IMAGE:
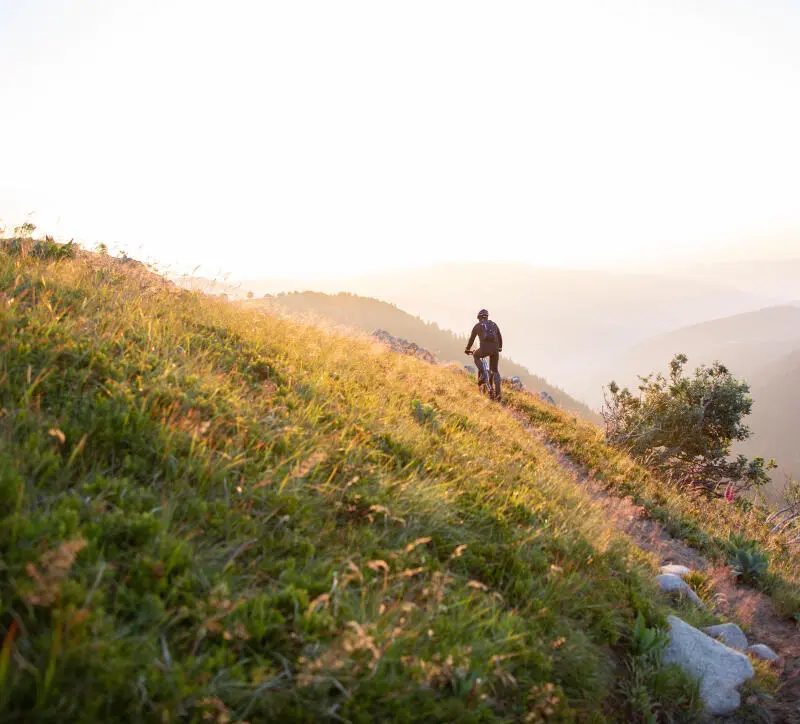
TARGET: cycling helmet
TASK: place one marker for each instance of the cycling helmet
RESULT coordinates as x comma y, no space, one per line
483,313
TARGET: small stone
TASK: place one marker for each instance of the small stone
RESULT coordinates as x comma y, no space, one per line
762,651
676,570
670,583
729,634
720,669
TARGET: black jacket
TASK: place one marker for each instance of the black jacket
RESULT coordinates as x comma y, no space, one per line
488,333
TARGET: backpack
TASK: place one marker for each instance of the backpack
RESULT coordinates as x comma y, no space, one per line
490,331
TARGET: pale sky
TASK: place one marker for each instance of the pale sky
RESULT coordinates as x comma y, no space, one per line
288,138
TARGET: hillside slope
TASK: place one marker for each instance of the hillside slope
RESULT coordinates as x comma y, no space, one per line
562,323
747,343
210,514
370,314
776,416
777,278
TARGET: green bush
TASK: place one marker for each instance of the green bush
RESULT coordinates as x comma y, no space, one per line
654,692
749,562
425,414
684,427
47,248
647,640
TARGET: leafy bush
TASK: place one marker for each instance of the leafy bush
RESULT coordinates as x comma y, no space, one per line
646,640
425,414
25,231
47,248
654,692
684,427
749,562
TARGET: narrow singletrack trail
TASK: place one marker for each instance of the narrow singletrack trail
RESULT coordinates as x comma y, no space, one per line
740,604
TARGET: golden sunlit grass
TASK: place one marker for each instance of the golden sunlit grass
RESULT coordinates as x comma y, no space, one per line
212,514
706,525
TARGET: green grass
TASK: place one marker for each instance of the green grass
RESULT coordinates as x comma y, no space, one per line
208,514
704,524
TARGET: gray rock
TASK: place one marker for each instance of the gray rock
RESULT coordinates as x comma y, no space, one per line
762,651
729,634
720,669
670,583
676,570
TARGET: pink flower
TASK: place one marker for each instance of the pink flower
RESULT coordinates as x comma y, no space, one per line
729,494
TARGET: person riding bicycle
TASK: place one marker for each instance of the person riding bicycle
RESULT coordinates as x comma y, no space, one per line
491,344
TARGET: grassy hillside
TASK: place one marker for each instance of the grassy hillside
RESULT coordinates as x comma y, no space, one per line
706,525
562,323
370,314
209,514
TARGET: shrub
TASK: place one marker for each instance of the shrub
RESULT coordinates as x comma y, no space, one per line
747,559
654,692
47,248
684,427
647,641
424,414
25,231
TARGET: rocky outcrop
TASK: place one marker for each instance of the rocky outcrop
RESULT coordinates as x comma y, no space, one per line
675,570
404,346
719,669
762,651
672,584
729,634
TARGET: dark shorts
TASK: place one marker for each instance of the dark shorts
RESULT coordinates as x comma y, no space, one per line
490,351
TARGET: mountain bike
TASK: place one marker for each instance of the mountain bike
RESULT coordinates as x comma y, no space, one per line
486,384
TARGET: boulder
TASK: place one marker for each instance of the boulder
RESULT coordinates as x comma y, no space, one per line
720,669
670,583
762,651
729,634
675,570
398,344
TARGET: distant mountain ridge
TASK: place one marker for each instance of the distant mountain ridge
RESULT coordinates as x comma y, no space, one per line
744,342
368,315
776,416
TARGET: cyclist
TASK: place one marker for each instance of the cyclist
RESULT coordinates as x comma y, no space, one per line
491,344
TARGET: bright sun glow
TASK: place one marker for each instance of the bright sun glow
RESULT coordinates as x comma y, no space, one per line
317,138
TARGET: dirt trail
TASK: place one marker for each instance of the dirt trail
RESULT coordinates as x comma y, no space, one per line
736,603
